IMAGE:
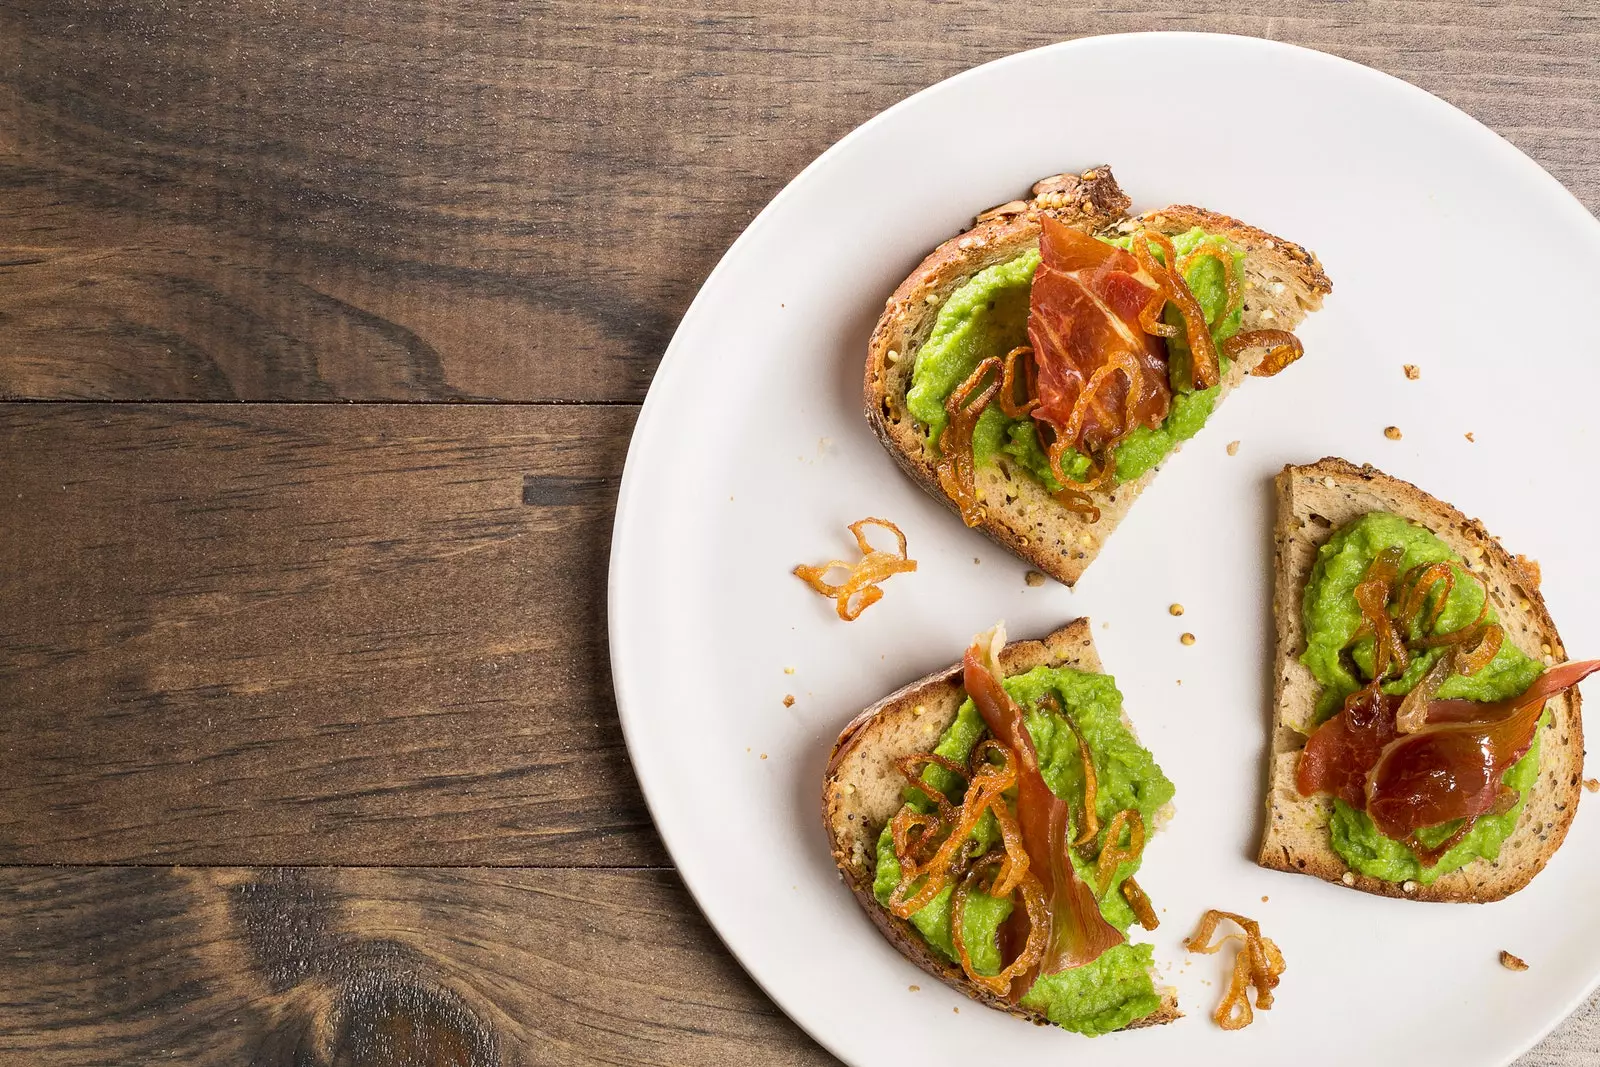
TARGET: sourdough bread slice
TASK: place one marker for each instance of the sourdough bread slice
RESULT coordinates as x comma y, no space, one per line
1312,501
862,790
1283,282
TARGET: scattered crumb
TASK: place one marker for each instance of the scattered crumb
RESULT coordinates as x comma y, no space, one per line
1592,784
1263,896
1033,578
975,559
1413,371
747,748
1392,432
788,670
1511,963
788,699
1233,448
915,988
956,1010
1469,437
1106,625
1408,887
1187,639
1348,878
1180,681
1176,609
764,755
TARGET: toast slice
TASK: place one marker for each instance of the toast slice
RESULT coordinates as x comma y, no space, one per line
1312,501
1283,283
861,791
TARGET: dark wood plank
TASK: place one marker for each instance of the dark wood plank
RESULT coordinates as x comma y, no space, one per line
236,199
309,634
372,968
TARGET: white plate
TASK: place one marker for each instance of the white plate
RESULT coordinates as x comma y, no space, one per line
1448,249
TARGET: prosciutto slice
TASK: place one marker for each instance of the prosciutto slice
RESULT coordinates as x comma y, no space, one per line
1079,933
1083,324
1449,769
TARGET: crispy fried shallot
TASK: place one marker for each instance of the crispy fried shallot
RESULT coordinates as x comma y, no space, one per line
1171,286
1284,348
1038,912
1021,356
859,590
1232,284
1090,820
948,834
985,785
1258,965
1139,901
1115,853
957,468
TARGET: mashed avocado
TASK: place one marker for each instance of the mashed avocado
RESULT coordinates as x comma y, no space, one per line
1116,989
1332,619
988,316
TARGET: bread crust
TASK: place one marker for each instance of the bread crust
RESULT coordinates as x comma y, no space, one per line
861,791
1312,501
1284,282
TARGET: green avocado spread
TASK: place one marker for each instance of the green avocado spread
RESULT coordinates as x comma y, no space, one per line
1115,989
988,316
1331,621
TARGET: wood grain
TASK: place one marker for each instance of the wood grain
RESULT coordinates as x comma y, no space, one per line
441,199
373,968
310,635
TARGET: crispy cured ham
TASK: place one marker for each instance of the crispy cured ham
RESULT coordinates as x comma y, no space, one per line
1079,933
1100,374
1450,768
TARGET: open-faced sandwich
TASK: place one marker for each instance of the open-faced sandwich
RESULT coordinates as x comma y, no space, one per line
1426,739
990,819
1034,371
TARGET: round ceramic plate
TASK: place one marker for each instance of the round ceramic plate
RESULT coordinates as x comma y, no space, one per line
1448,249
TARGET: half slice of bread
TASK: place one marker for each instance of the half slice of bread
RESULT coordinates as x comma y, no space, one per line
862,790
1283,282
1312,501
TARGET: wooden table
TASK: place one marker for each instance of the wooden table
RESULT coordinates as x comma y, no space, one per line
307,746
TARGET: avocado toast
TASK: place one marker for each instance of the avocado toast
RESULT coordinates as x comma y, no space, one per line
1342,804
1033,376
1086,975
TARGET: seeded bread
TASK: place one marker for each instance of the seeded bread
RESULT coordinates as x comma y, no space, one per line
1313,501
1283,283
861,791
